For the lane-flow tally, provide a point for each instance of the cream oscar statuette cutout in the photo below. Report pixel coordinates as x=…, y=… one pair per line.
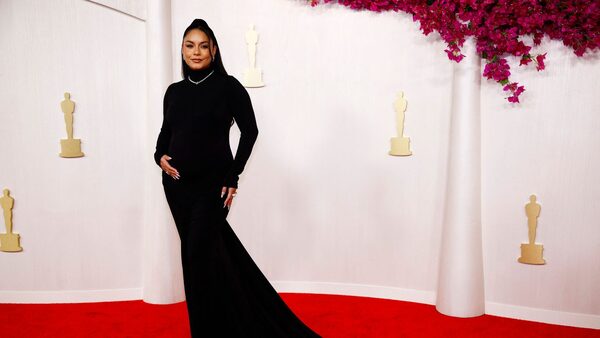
x=252, y=75
x=70, y=147
x=531, y=253
x=9, y=242
x=400, y=144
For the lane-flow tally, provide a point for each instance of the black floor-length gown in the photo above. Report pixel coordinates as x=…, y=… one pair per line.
x=226, y=293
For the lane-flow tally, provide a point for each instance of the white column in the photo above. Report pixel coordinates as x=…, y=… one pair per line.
x=162, y=279
x=460, y=282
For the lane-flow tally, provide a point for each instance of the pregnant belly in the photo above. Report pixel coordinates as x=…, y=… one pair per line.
x=197, y=161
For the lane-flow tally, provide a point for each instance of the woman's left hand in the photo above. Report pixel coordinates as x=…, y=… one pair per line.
x=231, y=192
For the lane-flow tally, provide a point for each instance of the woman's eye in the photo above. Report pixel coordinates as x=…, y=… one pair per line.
x=189, y=46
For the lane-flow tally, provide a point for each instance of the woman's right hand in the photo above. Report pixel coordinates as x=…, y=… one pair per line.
x=164, y=164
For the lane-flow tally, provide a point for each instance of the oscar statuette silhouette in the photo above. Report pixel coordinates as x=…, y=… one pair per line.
x=531, y=253
x=400, y=146
x=9, y=241
x=69, y=147
x=252, y=75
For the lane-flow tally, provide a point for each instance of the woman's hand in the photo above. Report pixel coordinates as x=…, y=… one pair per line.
x=164, y=164
x=231, y=192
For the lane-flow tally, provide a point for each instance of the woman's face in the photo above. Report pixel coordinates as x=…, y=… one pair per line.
x=197, y=49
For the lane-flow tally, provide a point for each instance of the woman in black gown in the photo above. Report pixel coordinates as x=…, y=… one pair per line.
x=226, y=293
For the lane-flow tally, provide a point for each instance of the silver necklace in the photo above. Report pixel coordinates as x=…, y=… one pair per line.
x=197, y=82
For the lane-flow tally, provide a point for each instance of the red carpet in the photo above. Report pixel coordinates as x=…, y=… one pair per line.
x=331, y=316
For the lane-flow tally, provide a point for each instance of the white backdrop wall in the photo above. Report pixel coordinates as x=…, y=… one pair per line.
x=321, y=202
x=321, y=206
x=547, y=146
x=79, y=219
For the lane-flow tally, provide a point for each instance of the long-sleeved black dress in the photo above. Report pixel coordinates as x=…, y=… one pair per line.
x=226, y=293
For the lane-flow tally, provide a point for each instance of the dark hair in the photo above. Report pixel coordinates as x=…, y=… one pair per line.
x=217, y=62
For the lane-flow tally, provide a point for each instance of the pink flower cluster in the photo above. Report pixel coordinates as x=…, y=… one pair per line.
x=498, y=27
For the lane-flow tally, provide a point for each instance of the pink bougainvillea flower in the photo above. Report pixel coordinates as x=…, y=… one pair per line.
x=540, y=62
x=510, y=87
x=525, y=60
x=455, y=54
x=497, y=70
